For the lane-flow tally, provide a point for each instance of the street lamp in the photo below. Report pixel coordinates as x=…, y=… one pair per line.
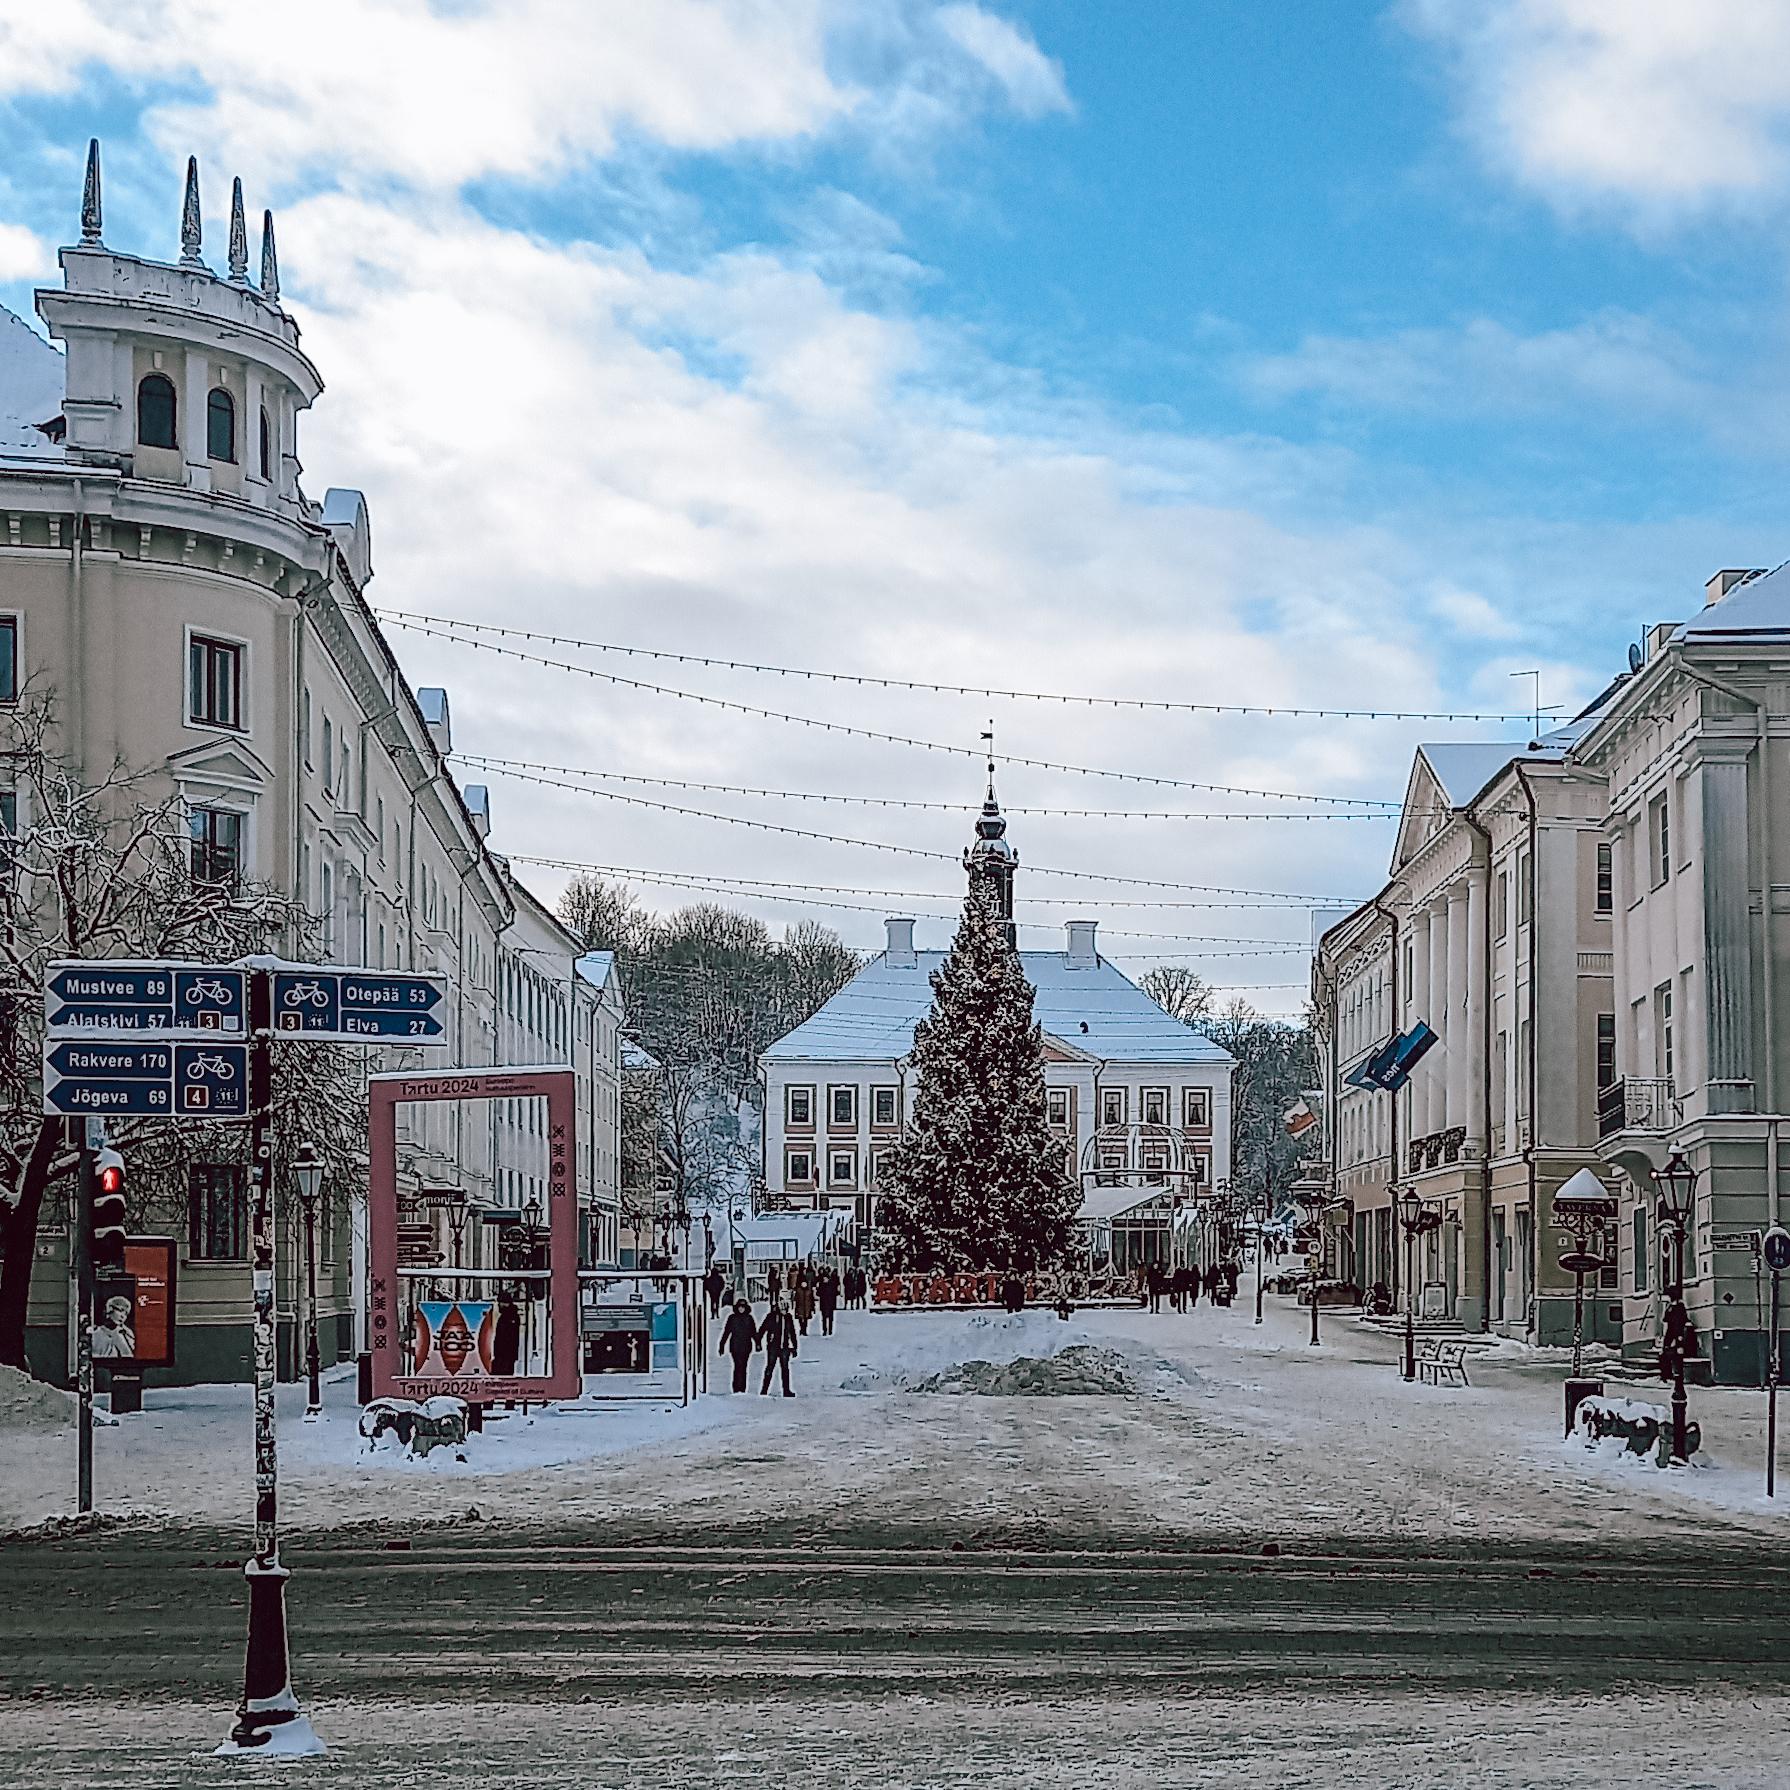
x=307, y=1173
x=1677, y=1184
x=1409, y=1207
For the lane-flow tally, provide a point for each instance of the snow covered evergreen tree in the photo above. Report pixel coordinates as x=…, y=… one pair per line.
x=979, y=1181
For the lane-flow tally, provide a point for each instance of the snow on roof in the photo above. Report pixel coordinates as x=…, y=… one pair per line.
x=596, y=967
x=1758, y=606
x=1465, y=767
x=432, y=702
x=1100, y=1011
x=637, y=1056
x=1099, y=1204
x=809, y=1231
x=31, y=387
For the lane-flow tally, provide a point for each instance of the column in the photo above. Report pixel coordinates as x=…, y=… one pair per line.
x=1435, y=1065
x=1727, y=930
x=1476, y=1119
x=1460, y=1024
x=1415, y=997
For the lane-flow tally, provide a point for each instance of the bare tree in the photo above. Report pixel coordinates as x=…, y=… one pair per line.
x=1180, y=992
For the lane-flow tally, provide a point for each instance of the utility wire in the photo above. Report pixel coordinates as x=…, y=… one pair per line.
x=410, y=617
x=888, y=739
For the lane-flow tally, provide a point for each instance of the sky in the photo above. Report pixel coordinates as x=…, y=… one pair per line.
x=1357, y=356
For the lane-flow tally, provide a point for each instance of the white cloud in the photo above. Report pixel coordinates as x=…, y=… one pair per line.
x=23, y=256
x=1658, y=106
x=1472, y=616
x=1032, y=81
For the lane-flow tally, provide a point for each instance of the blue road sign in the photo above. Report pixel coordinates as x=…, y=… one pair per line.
x=358, y=1006
x=149, y=998
x=156, y=1080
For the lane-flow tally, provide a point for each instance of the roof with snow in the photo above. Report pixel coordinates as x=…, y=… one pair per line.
x=1757, y=605
x=596, y=967
x=1098, y=1010
x=32, y=381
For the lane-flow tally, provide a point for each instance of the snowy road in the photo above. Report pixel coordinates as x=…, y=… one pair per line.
x=891, y=1579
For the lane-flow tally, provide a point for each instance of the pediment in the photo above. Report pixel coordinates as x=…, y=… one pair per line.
x=1056, y=1051
x=226, y=764
x=1426, y=812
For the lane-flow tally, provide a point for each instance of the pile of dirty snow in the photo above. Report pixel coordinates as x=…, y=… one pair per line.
x=31, y=1407
x=1083, y=1370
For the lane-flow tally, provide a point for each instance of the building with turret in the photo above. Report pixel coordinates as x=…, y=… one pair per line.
x=167, y=582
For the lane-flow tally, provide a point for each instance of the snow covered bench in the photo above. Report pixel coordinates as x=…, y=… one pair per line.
x=1442, y=1363
x=1643, y=1429
x=418, y=1425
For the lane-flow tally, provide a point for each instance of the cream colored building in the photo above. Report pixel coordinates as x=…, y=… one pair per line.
x=195, y=613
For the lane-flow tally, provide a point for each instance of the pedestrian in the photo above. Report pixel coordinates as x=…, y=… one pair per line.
x=803, y=1301
x=506, y=1338
x=773, y=1281
x=714, y=1283
x=1153, y=1278
x=827, y=1296
x=777, y=1335
x=739, y=1338
x=1214, y=1280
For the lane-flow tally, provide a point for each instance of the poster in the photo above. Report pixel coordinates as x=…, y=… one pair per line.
x=639, y=1338
x=454, y=1337
x=133, y=1311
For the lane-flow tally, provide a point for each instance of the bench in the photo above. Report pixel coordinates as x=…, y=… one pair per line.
x=1442, y=1363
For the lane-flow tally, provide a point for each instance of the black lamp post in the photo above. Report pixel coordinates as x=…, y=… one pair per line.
x=307, y=1174
x=1677, y=1184
x=1410, y=1215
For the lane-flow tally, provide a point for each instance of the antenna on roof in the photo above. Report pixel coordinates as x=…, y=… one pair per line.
x=988, y=743
x=1636, y=657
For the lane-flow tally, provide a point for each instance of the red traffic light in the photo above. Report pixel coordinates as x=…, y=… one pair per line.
x=111, y=1179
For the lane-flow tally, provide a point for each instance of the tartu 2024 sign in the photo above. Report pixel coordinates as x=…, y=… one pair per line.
x=171, y=1040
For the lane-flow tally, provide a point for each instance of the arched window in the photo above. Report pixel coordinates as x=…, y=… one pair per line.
x=266, y=447
x=155, y=411
x=220, y=424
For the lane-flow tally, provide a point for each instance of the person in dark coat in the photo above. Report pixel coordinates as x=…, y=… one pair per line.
x=714, y=1283
x=777, y=1335
x=739, y=1338
x=1214, y=1282
x=826, y=1295
x=802, y=1300
x=1153, y=1279
x=506, y=1337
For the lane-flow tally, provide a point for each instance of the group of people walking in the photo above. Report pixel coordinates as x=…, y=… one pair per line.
x=811, y=1293
x=1181, y=1286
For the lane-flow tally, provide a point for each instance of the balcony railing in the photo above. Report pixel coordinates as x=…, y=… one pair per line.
x=1437, y=1149
x=1637, y=1104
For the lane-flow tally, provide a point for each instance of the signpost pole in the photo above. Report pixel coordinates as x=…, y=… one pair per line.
x=83, y=1248
x=1771, y=1396
x=268, y=1719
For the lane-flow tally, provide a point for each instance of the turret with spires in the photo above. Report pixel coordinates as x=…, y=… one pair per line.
x=992, y=860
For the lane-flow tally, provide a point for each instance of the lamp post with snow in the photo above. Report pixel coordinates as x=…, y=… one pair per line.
x=307, y=1176
x=1416, y=1218
x=1677, y=1184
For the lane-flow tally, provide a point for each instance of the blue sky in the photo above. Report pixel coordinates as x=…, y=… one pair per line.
x=1357, y=353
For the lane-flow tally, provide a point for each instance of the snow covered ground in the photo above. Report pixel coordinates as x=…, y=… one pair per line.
x=1198, y=1424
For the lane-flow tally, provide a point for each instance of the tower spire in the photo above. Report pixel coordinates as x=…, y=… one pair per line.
x=190, y=230
x=239, y=237
x=992, y=860
x=270, y=260
x=90, y=199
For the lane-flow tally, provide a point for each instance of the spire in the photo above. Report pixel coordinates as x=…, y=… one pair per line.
x=239, y=236
x=270, y=261
x=992, y=859
x=90, y=205
x=189, y=217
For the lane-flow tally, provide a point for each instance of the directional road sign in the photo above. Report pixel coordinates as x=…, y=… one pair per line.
x=162, y=1079
x=159, y=999
x=358, y=1006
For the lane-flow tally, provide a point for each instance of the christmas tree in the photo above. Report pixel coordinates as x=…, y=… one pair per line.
x=979, y=1181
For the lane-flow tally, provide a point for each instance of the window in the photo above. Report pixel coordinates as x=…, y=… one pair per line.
x=220, y=425
x=379, y=830
x=1112, y=1106
x=1196, y=1108
x=1606, y=877
x=798, y=1167
x=327, y=903
x=842, y=1106
x=842, y=1168
x=1202, y=1169
x=1663, y=1063
x=1640, y=1248
x=1522, y=1066
x=304, y=729
x=1606, y=1049
x=329, y=756
x=1525, y=889
x=1155, y=1106
x=155, y=412
x=217, y=1212
x=214, y=682
x=879, y=1163
x=798, y=1106
x=882, y=1106
x=1659, y=833
x=1056, y=1108
x=266, y=445
x=9, y=658
x=217, y=845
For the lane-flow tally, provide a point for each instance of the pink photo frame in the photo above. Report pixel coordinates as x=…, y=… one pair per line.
x=386, y=1327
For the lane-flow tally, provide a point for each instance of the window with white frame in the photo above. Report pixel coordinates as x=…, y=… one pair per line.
x=798, y=1167
x=1659, y=837
x=1056, y=1108
x=329, y=756
x=1664, y=1055
x=842, y=1168
x=216, y=835
x=798, y=1106
x=1196, y=1108
x=214, y=682
x=1112, y=1106
x=9, y=658
x=879, y=1161
x=842, y=1105
x=1155, y=1104
x=1606, y=878
x=883, y=1105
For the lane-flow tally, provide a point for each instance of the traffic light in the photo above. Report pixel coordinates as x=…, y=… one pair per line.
x=107, y=1223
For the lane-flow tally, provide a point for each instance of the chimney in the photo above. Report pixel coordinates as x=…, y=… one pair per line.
x=1082, y=954
x=1723, y=582
x=900, y=952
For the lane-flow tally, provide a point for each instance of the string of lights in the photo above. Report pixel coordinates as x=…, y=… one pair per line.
x=911, y=851
x=411, y=617
x=888, y=739
x=480, y=761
